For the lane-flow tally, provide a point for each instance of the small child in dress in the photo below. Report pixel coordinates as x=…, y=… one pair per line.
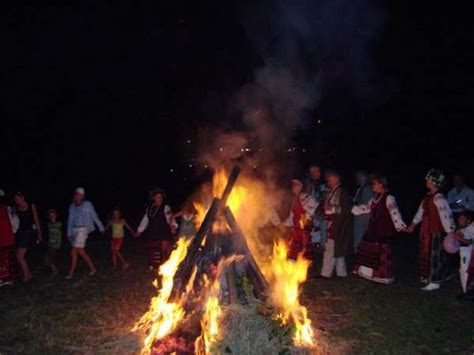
x=117, y=225
x=55, y=235
x=465, y=235
x=187, y=224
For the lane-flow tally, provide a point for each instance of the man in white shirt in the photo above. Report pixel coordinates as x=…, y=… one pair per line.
x=460, y=197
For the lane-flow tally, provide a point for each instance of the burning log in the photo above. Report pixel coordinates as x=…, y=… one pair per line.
x=259, y=282
x=185, y=270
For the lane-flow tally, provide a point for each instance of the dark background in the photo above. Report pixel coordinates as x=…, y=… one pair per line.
x=106, y=95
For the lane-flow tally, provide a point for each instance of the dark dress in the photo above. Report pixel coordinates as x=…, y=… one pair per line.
x=157, y=230
x=25, y=233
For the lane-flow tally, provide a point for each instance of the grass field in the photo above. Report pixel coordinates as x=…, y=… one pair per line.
x=94, y=315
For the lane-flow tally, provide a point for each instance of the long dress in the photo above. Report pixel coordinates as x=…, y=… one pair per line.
x=359, y=224
x=299, y=220
x=374, y=254
x=155, y=225
x=7, y=247
x=436, y=221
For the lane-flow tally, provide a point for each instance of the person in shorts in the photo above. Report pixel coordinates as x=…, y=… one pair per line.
x=82, y=220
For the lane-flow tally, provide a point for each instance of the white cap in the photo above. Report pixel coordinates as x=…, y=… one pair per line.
x=2, y=193
x=80, y=191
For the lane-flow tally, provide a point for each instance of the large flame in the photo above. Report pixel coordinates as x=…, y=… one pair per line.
x=286, y=277
x=251, y=204
x=163, y=316
x=212, y=310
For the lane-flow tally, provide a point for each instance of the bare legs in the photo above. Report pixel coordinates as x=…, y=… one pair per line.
x=25, y=270
x=119, y=255
x=51, y=260
x=75, y=253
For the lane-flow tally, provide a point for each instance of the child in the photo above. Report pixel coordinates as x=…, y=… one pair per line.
x=465, y=235
x=55, y=236
x=117, y=224
x=187, y=225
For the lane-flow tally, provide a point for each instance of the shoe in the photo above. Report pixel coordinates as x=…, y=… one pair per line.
x=151, y=268
x=92, y=273
x=424, y=280
x=69, y=277
x=461, y=296
x=321, y=277
x=431, y=287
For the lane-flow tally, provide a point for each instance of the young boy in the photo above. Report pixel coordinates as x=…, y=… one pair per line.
x=55, y=236
x=465, y=235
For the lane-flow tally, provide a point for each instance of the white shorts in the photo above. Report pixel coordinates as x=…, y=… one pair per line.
x=79, y=237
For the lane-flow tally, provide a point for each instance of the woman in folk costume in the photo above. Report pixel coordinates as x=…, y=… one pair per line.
x=337, y=211
x=300, y=220
x=374, y=254
x=158, y=229
x=436, y=221
x=8, y=226
x=362, y=196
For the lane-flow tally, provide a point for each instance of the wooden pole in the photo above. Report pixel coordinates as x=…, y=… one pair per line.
x=185, y=268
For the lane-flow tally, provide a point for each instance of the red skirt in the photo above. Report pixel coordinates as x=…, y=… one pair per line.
x=153, y=249
x=115, y=245
x=376, y=256
x=7, y=260
x=298, y=241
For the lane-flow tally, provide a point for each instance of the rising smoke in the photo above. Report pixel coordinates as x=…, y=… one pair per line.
x=309, y=49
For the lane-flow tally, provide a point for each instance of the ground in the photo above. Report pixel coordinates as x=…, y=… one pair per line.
x=90, y=315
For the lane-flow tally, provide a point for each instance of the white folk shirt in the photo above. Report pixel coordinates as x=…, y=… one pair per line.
x=464, y=198
x=145, y=220
x=392, y=208
x=444, y=211
x=309, y=204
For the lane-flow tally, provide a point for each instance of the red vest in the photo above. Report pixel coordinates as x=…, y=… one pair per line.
x=431, y=221
x=380, y=227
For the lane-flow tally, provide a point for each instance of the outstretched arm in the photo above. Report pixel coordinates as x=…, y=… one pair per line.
x=445, y=214
x=128, y=227
x=96, y=219
x=395, y=214
x=37, y=223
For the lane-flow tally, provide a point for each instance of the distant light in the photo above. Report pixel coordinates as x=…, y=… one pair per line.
x=248, y=149
x=190, y=165
x=260, y=150
x=221, y=149
x=319, y=121
x=188, y=141
x=205, y=166
x=255, y=167
x=171, y=170
x=303, y=150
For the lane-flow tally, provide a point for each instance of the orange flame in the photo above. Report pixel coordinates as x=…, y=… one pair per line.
x=163, y=316
x=212, y=310
x=286, y=277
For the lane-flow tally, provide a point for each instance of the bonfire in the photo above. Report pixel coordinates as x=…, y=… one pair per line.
x=224, y=271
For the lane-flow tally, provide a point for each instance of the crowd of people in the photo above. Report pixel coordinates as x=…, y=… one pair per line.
x=324, y=216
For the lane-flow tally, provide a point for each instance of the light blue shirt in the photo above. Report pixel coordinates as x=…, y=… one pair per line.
x=83, y=215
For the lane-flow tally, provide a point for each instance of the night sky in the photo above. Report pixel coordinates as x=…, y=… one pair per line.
x=106, y=95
